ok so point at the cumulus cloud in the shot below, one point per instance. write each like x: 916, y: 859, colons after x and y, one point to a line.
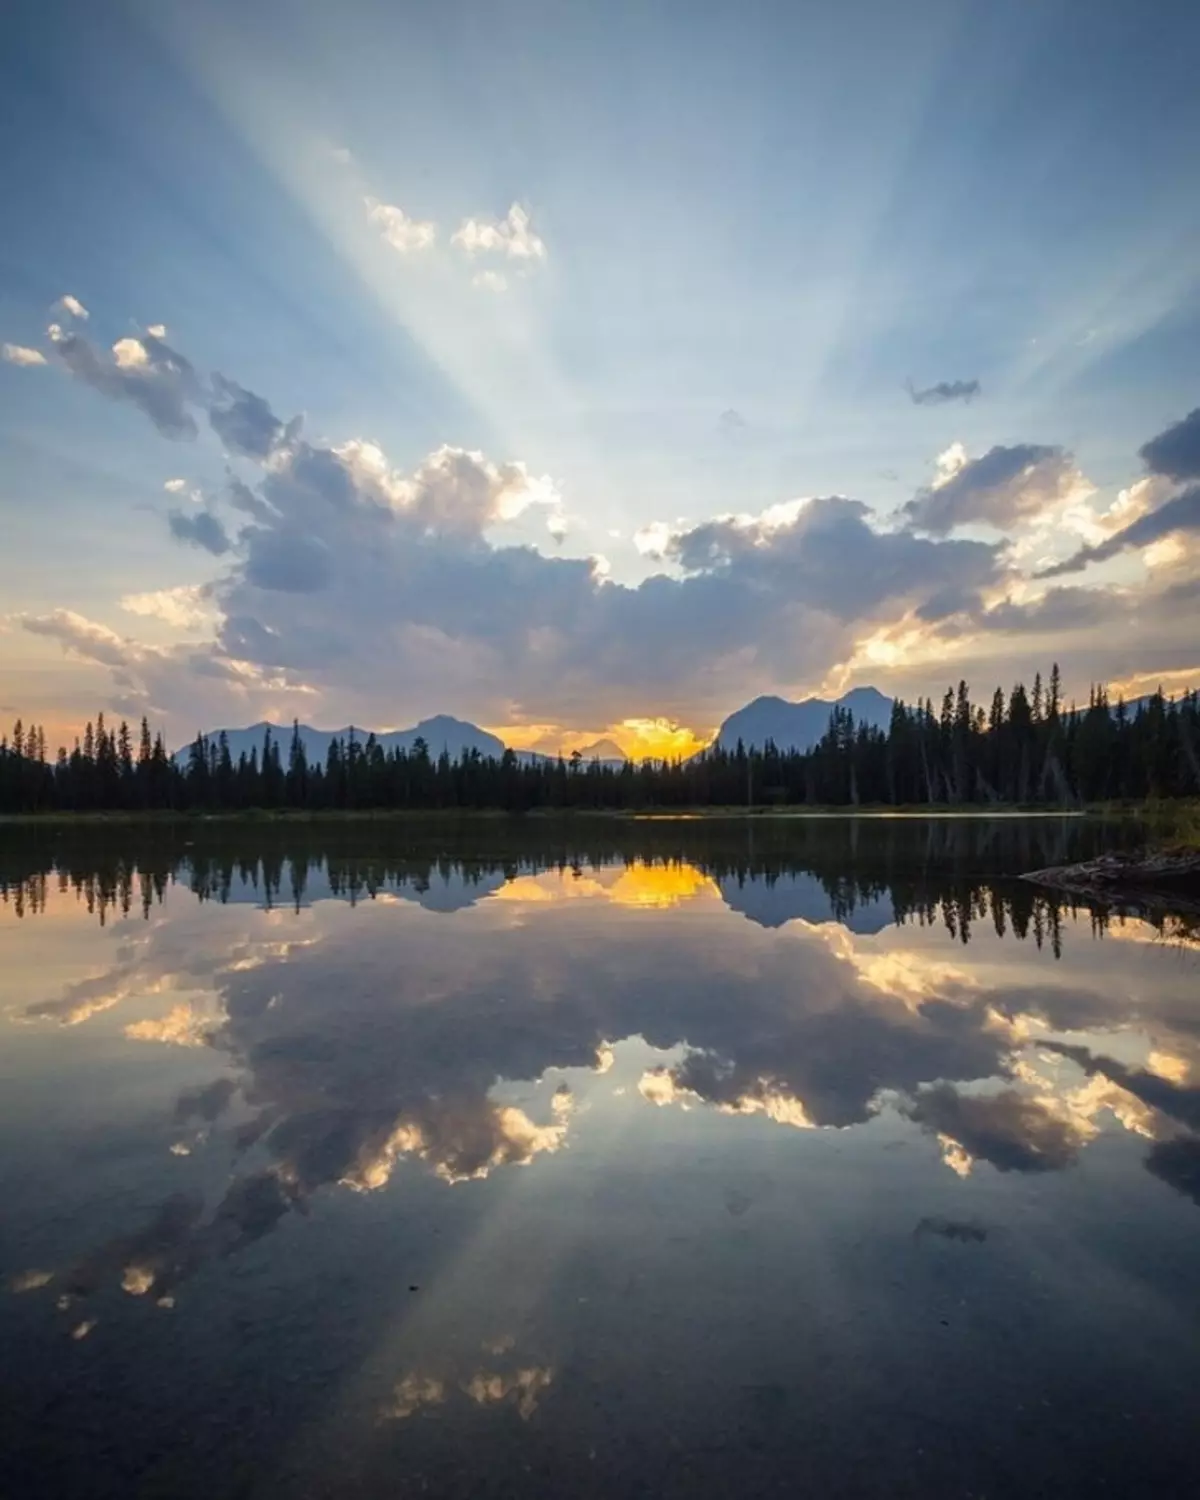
x: 21, y: 354
x: 512, y: 236
x: 943, y: 391
x: 1175, y: 453
x: 145, y: 372
x: 376, y: 582
x: 72, y: 307
x: 242, y: 420
x: 1005, y: 486
x: 184, y: 607
x: 1181, y: 514
x: 390, y: 589
x: 174, y: 486
x: 401, y: 232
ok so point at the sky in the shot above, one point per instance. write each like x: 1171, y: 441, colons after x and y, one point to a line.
x: 589, y: 369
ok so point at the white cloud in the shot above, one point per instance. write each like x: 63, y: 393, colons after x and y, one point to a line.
x: 130, y: 354
x: 83, y: 638
x: 175, y: 486
x: 72, y: 306
x: 20, y: 354
x: 653, y: 540
x: 157, y: 330
x: 948, y: 463
x: 490, y: 281
x: 1003, y: 488
x: 185, y: 607
x: 401, y: 232
x: 513, y: 236
x: 145, y: 372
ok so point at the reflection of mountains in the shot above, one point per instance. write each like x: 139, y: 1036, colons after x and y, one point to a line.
x: 864, y: 873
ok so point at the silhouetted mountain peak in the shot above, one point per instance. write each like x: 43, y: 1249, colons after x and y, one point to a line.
x: 799, y: 726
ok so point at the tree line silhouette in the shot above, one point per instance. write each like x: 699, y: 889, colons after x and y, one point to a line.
x: 930, y: 873
x: 1022, y: 749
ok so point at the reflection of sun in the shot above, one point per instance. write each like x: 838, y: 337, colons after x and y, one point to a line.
x: 661, y: 885
x: 639, y: 885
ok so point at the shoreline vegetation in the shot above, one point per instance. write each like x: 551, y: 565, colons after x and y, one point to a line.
x: 1178, y: 820
x: 1027, y: 752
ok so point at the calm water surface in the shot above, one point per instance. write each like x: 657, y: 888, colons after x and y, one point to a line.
x: 796, y: 1158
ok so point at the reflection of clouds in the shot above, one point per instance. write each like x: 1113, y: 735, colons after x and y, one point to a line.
x: 184, y: 1025
x: 662, y: 1086
x: 905, y: 975
x: 521, y: 1388
x: 359, y: 1039
x: 30, y: 1281
x: 411, y: 1394
x: 462, y: 1142
x: 1042, y: 1124
x: 1014, y: 1131
x: 1177, y: 1163
x: 89, y: 997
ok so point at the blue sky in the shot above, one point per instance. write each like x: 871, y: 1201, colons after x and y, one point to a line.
x: 740, y: 232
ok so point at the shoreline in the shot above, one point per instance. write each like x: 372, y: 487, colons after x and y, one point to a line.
x: 1157, y: 813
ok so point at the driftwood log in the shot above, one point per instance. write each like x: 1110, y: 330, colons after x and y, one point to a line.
x: 1162, y: 883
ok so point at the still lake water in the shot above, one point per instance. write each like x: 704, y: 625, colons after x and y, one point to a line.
x: 655, y: 1158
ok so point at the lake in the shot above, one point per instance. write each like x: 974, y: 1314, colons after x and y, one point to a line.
x: 667, y: 1158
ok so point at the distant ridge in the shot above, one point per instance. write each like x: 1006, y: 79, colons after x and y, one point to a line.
x: 799, y: 726
x: 442, y: 732
x: 791, y: 726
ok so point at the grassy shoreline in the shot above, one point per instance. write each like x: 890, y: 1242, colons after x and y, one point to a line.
x: 1180, y: 819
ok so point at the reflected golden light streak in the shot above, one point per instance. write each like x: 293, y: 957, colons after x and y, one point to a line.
x: 650, y: 886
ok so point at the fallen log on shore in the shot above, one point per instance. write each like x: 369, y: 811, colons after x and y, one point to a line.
x: 1166, y: 882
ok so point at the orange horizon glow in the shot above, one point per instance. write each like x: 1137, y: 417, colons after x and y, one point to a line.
x: 659, y: 738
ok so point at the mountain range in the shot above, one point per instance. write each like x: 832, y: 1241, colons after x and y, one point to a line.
x: 791, y: 726
x: 798, y: 726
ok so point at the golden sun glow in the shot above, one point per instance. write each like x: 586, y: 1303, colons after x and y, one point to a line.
x: 637, y: 738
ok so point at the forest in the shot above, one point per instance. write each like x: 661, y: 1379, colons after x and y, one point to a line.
x: 1026, y: 748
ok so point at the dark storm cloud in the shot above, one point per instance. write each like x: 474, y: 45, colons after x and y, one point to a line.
x: 1013, y: 1131
x: 202, y: 529
x: 1180, y: 514
x: 1003, y: 487
x: 243, y: 420
x: 1175, y: 452
x: 943, y: 391
x: 161, y: 384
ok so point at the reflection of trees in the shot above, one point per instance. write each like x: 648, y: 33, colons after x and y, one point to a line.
x: 957, y: 872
